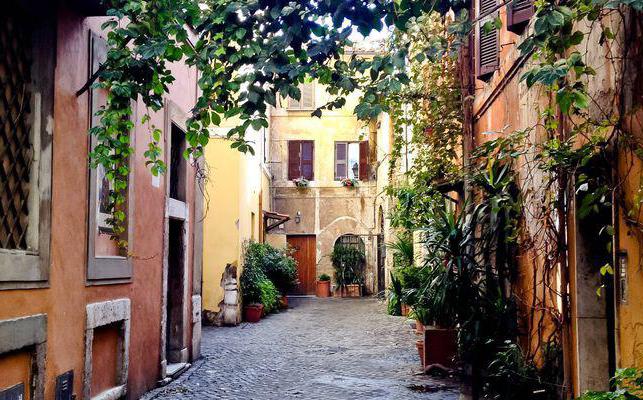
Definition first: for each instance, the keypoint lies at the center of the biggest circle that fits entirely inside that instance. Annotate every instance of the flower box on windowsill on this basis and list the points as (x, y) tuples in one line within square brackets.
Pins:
[(301, 183), (349, 182)]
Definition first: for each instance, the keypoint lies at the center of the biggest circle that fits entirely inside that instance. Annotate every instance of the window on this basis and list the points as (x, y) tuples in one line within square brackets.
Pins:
[(106, 261), (307, 99), (351, 160), (301, 157), (178, 163), (518, 14), (350, 240), (488, 46), (27, 54)]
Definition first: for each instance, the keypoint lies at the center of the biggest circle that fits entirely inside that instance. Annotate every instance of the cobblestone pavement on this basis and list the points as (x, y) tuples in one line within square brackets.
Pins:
[(318, 349)]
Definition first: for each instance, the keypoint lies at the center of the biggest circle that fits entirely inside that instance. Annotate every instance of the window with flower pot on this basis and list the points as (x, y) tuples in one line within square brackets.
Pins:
[(351, 160), (301, 158)]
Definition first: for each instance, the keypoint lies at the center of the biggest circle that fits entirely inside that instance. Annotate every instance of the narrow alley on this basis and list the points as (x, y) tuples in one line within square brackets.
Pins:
[(317, 349)]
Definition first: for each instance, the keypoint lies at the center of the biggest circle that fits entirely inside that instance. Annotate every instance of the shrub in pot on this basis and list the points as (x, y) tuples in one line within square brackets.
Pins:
[(323, 286), (348, 262), (281, 269)]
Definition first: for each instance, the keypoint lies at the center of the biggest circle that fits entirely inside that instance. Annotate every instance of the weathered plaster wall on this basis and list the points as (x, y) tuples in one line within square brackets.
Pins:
[(237, 188), (503, 104), (327, 209)]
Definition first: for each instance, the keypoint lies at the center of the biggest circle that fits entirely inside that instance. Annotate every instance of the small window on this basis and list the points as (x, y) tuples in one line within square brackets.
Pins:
[(488, 43), (301, 158), (351, 160), (307, 99), (350, 240), (178, 164)]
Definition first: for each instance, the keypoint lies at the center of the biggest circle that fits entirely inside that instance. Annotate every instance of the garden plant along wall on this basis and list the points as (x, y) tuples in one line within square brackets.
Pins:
[(574, 128)]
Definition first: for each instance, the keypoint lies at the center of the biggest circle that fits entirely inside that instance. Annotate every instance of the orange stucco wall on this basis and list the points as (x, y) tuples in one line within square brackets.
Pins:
[(65, 299), (503, 104)]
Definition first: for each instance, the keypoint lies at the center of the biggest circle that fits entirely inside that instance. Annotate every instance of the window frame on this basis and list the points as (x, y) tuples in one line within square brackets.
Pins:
[(312, 161), (360, 173), (517, 20), (300, 107), (19, 268), (105, 270)]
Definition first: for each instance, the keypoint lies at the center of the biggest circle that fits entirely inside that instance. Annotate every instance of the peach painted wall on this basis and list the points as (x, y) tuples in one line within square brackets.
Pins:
[(65, 299)]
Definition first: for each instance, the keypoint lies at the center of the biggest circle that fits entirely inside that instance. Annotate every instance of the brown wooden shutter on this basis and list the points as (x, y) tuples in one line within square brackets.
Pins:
[(307, 159), (364, 170), (341, 153), (518, 14), (294, 159), (488, 46)]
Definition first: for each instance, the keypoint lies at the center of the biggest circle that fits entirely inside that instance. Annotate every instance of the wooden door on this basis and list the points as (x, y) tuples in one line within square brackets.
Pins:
[(306, 256)]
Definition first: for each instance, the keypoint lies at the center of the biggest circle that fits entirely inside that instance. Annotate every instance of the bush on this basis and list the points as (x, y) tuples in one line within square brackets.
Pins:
[(349, 265), (324, 277), (269, 295), (280, 268), (267, 271)]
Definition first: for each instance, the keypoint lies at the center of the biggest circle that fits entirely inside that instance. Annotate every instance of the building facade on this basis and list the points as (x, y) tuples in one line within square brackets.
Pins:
[(603, 332), (311, 161), (79, 316), (237, 201)]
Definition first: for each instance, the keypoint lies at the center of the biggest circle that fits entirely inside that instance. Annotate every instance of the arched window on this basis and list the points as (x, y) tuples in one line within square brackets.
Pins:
[(351, 241)]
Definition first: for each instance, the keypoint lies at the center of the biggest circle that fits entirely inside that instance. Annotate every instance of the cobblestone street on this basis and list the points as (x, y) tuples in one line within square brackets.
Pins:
[(318, 349)]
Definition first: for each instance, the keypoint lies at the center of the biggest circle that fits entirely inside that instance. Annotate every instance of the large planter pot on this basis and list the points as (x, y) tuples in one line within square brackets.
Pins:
[(440, 346), (419, 344), (252, 312), (283, 302), (352, 290), (323, 288)]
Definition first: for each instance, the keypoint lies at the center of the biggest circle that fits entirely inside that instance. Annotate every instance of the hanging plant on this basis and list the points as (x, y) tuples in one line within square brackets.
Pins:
[(349, 182), (301, 182)]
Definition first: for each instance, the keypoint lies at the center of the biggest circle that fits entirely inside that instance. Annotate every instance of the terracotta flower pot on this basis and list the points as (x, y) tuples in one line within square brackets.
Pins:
[(440, 346), (283, 302), (252, 312), (419, 344), (419, 328), (353, 290), (405, 310), (323, 288)]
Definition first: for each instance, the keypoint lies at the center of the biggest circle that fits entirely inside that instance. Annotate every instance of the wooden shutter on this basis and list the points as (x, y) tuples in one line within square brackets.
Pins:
[(363, 161), (488, 46), (307, 96), (341, 154), (518, 14), (307, 159), (294, 159)]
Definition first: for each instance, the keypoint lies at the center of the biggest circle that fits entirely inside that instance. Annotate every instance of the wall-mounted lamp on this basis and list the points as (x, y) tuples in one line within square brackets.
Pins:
[(622, 276), (298, 217)]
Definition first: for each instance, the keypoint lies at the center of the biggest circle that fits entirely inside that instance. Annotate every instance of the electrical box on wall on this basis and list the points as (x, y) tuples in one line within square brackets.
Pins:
[(65, 386), (16, 392)]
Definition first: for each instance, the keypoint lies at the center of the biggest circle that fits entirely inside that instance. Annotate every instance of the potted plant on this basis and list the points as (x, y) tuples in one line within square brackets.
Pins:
[(323, 285), (281, 269), (348, 262), (349, 182), (301, 182)]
